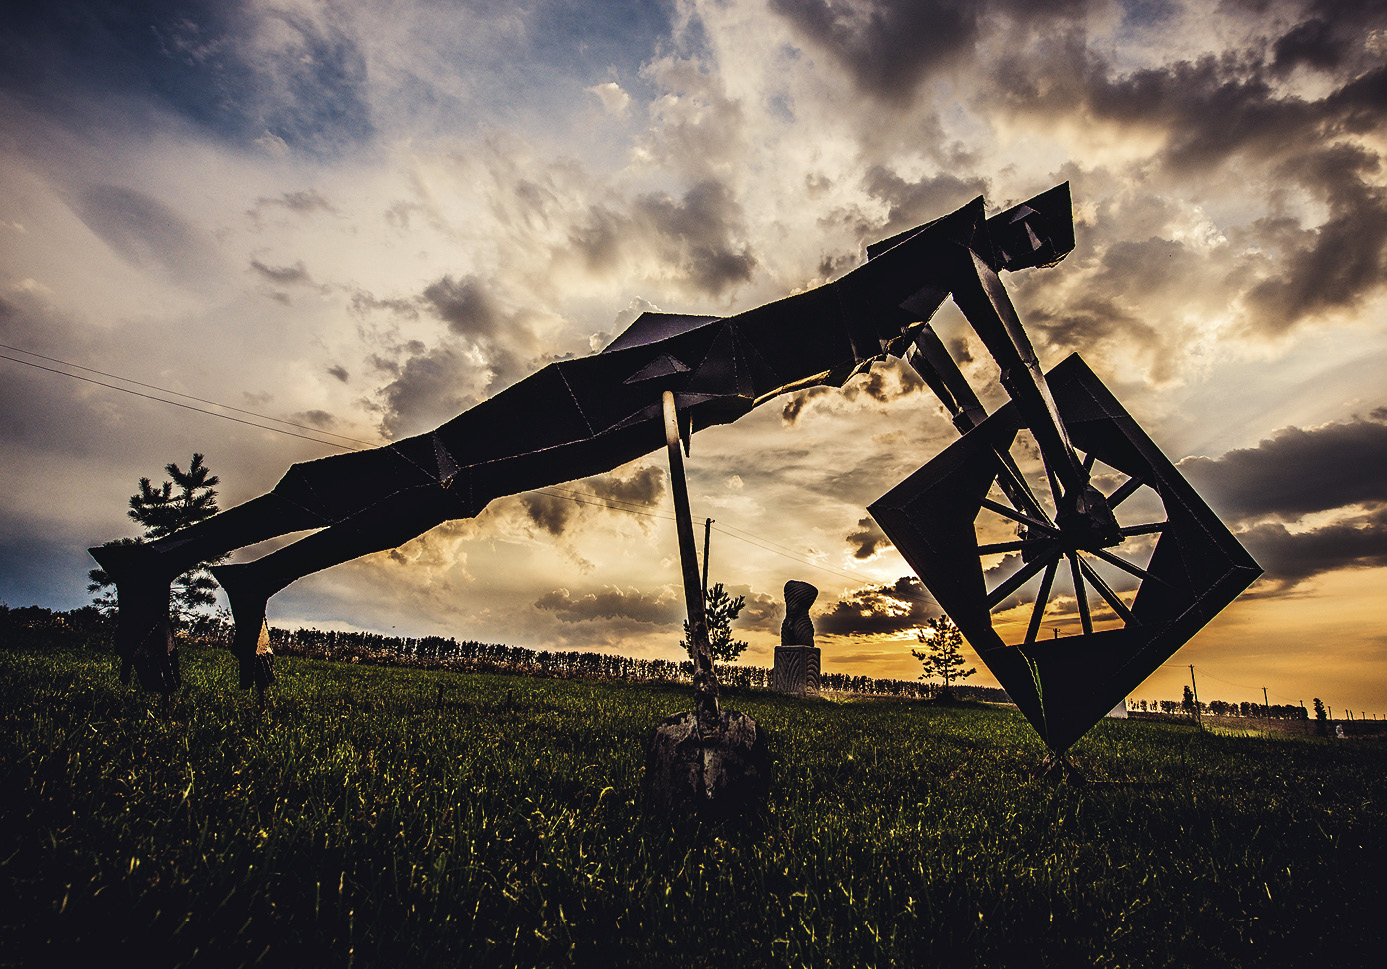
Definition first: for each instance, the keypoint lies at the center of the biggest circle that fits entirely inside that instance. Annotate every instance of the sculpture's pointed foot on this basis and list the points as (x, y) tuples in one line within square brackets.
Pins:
[(144, 632), (251, 641)]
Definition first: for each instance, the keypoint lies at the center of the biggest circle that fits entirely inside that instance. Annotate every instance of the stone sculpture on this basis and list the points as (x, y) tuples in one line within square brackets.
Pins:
[(797, 658), (582, 416)]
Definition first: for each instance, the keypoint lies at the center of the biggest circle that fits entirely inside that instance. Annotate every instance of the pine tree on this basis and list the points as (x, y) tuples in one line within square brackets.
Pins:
[(162, 511), (942, 656), (720, 610)]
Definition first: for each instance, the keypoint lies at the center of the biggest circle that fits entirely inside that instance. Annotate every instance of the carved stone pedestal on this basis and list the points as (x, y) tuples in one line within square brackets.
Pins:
[(796, 670)]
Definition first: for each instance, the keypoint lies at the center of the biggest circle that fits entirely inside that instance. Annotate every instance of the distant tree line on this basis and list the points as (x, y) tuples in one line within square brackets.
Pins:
[(1221, 708), (438, 652)]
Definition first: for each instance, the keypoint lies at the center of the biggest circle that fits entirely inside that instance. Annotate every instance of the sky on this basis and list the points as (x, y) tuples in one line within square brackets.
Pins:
[(361, 218)]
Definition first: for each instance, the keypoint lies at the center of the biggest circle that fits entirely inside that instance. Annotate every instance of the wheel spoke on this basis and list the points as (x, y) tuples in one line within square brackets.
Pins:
[(1019, 578), (1089, 458), (1017, 516), (1126, 566), (1151, 528), (1041, 599), (1016, 546), (1109, 596), (1128, 488), (1079, 594)]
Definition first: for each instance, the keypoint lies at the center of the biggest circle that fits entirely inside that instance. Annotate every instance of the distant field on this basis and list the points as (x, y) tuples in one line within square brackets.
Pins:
[(364, 818)]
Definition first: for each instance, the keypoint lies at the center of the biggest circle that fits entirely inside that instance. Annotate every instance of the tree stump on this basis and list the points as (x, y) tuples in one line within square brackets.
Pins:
[(706, 768)]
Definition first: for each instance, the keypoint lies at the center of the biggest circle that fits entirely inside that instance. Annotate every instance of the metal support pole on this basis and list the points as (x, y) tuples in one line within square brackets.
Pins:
[(705, 681), (1195, 690), (707, 536)]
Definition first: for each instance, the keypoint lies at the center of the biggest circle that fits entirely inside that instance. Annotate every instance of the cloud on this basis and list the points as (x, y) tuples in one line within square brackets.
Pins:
[(145, 232), (1293, 557), (614, 100), (1298, 472), (887, 609), (695, 240), (240, 71), (549, 512), (338, 371), (283, 275), (661, 608), (431, 387), (645, 486), (1337, 264), (868, 540), (466, 306)]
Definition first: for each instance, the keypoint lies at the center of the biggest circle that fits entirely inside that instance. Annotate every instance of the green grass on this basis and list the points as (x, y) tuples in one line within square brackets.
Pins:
[(354, 821)]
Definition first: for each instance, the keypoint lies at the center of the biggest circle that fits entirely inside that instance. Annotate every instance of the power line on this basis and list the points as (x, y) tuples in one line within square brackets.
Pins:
[(166, 390), (177, 403)]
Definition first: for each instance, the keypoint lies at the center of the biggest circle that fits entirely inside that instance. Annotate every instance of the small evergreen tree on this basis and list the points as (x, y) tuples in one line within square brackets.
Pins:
[(942, 655), (720, 610), (162, 511), (1321, 718)]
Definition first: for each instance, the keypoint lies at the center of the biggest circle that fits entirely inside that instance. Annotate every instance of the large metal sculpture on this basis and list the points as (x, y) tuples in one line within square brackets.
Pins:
[(583, 416)]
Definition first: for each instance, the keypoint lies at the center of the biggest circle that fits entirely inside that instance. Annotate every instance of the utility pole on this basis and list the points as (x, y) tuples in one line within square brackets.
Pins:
[(1195, 690), (707, 534), (1266, 707)]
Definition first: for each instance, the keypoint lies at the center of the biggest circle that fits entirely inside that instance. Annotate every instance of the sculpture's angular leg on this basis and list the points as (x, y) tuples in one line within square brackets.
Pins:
[(144, 631), (250, 641)]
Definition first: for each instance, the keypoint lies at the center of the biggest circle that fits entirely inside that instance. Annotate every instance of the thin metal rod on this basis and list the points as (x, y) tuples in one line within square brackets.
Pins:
[(705, 680), (1041, 599), (707, 537), (1152, 528)]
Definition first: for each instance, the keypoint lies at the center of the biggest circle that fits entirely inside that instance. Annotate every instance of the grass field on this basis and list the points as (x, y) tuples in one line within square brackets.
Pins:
[(356, 820)]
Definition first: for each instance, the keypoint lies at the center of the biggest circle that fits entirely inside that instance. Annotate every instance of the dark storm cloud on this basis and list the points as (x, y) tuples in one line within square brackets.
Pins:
[(868, 539), (913, 202), (698, 235), (1297, 472), (661, 609), (1314, 43), (427, 391), (501, 335), (1209, 109), (643, 487), (885, 382), (885, 609), (338, 371), (889, 46), (227, 66), (1338, 264), (466, 306), (144, 231), (550, 512), (796, 402), (1292, 557), (283, 275)]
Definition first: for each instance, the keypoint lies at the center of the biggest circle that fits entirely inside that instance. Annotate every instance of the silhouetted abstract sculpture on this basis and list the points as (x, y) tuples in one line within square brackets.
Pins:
[(583, 416), (572, 419), (797, 659)]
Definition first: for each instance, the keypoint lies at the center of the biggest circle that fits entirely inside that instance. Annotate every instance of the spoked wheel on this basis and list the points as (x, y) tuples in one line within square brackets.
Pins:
[(1116, 618)]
